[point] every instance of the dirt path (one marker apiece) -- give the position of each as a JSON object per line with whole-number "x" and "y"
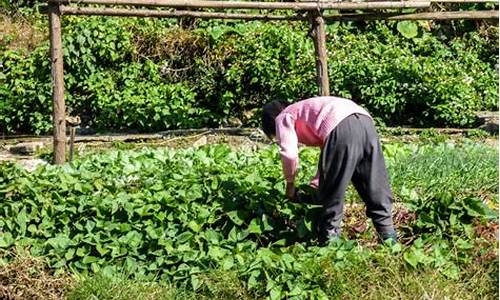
{"x": 31, "y": 151}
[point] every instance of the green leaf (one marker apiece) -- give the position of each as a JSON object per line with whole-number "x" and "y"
{"x": 227, "y": 263}
{"x": 463, "y": 244}
{"x": 453, "y": 219}
{"x": 59, "y": 242}
{"x": 255, "y": 226}
{"x": 184, "y": 237}
{"x": 152, "y": 232}
{"x": 275, "y": 293}
{"x": 233, "y": 236}
{"x": 70, "y": 253}
{"x": 81, "y": 251}
{"x": 408, "y": 29}
{"x": 280, "y": 243}
{"x": 288, "y": 260}
{"x": 102, "y": 250}
{"x": 411, "y": 258}
{"x": 296, "y": 291}
{"x": 215, "y": 184}
{"x": 237, "y": 216}
{"x": 253, "y": 281}
{"x": 21, "y": 220}
{"x": 195, "y": 282}
{"x": 476, "y": 208}
{"x": 89, "y": 226}
{"x": 212, "y": 236}
{"x": 90, "y": 259}
{"x": 6, "y": 239}
{"x": 216, "y": 252}
{"x": 32, "y": 228}
{"x": 265, "y": 222}
{"x": 216, "y": 32}
{"x": 451, "y": 271}
{"x": 194, "y": 226}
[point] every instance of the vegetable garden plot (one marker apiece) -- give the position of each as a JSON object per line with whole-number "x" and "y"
{"x": 174, "y": 215}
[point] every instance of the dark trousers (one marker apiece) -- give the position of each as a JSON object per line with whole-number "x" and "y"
{"x": 352, "y": 152}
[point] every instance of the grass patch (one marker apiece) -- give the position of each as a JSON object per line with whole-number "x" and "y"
{"x": 386, "y": 277}
{"x": 468, "y": 169}
{"x": 219, "y": 284}
{"x": 105, "y": 288}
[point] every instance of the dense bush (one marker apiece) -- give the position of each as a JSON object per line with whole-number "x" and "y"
{"x": 25, "y": 92}
{"x": 136, "y": 98}
{"x": 421, "y": 80}
{"x": 149, "y": 75}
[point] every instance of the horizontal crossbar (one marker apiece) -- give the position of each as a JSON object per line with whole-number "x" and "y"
{"x": 448, "y": 15}
{"x": 257, "y": 5}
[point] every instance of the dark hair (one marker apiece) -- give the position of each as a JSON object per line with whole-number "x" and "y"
{"x": 269, "y": 113}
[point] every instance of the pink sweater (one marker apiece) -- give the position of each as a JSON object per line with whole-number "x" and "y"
{"x": 309, "y": 122}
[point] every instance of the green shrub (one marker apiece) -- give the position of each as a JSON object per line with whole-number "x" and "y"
{"x": 136, "y": 97}
{"x": 25, "y": 90}
{"x": 420, "y": 81}
{"x": 227, "y": 70}
{"x": 266, "y": 62}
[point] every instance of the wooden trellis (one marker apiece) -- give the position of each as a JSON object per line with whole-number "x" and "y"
{"x": 312, "y": 12}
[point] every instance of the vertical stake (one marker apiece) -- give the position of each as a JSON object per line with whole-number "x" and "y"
{"x": 72, "y": 133}
{"x": 59, "y": 108}
{"x": 318, "y": 34}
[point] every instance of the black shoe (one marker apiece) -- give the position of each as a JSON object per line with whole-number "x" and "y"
{"x": 329, "y": 236}
{"x": 388, "y": 237}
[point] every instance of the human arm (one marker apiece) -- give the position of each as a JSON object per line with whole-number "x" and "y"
{"x": 289, "y": 151}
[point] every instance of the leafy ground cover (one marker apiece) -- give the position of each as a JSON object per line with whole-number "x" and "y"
{"x": 212, "y": 222}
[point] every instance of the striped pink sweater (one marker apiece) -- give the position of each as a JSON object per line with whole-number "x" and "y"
{"x": 309, "y": 122}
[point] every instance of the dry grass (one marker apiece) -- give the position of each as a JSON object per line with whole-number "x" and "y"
{"x": 173, "y": 43}
{"x": 179, "y": 50}
{"x": 357, "y": 226}
{"x": 18, "y": 34}
{"x": 29, "y": 278}
{"x": 175, "y": 47}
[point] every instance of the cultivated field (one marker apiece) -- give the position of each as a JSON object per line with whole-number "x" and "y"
{"x": 213, "y": 222}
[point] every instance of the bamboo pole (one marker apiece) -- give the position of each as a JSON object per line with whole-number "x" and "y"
{"x": 67, "y": 10}
{"x": 318, "y": 34}
{"x": 118, "y": 12}
{"x": 59, "y": 109}
{"x": 257, "y": 5}
{"x": 450, "y": 15}
{"x": 432, "y": 1}
{"x": 464, "y": 1}
{"x": 435, "y": 16}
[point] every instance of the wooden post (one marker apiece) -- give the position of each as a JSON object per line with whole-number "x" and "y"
{"x": 318, "y": 34}
{"x": 72, "y": 133}
{"x": 59, "y": 108}
{"x": 72, "y": 122}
